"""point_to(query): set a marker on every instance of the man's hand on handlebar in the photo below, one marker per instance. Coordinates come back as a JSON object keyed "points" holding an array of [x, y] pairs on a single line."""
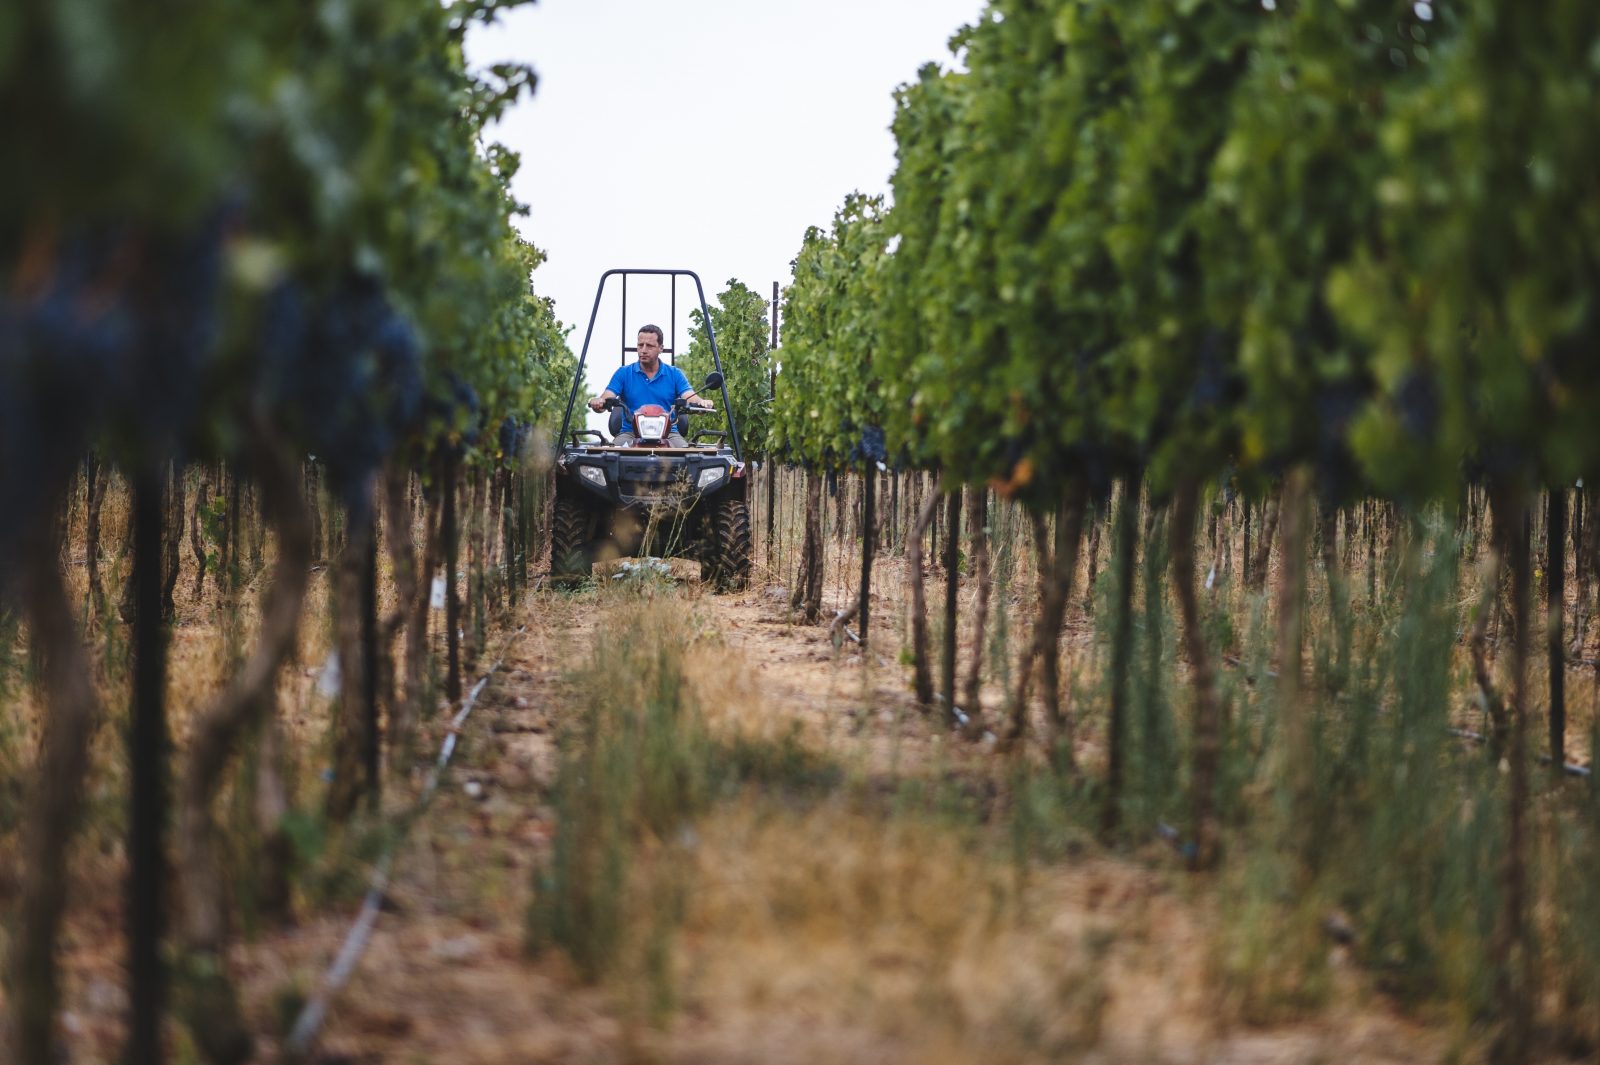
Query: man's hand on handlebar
{"points": [[602, 403]]}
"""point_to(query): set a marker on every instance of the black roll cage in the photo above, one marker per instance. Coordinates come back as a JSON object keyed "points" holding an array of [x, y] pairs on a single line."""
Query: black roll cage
{"points": [[705, 311]]}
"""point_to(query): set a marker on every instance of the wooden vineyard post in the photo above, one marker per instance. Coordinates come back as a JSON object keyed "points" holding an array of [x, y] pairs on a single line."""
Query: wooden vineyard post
{"points": [[353, 633], [1555, 645], [1588, 548], [1225, 570], [921, 669], [868, 545], [1244, 554], [173, 516], [1207, 705], [1056, 570], [224, 533], [234, 570], [1096, 518], [196, 541], [1121, 653], [507, 542], [147, 760], [1371, 529], [1511, 954], [1580, 560], [979, 525], [768, 467], [96, 474], [840, 491], [473, 500], [1062, 569], [769, 474], [452, 604], [1300, 763], [520, 557], [894, 507], [1338, 591], [407, 705], [369, 654], [400, 545], [528, 494], [1269, 526], [776, 554], [952, 586], [807, 595], [313, 496]]}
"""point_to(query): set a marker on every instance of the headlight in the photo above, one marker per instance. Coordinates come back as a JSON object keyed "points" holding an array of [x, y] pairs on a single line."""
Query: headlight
{"points": [[593, 474], [652, 426], [710, 475]]}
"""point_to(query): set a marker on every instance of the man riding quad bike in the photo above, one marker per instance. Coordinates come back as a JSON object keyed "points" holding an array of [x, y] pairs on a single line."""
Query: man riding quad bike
{"points": [[647, 383], [652, 488]]}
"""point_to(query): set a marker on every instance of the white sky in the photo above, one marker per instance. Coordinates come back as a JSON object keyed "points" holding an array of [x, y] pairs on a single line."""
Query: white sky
{"points": [[699, 134]]}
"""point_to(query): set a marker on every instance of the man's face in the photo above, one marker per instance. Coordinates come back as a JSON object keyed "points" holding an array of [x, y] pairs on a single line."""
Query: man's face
{"points": [[649, 352]]}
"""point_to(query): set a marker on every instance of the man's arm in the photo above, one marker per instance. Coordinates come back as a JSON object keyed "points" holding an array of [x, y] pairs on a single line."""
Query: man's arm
{"points": [[688, 396], [612, 391]]}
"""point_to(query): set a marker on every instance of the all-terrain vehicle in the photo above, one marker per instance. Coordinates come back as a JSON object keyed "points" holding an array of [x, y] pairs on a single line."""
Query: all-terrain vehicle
{"points": [[648, 498]]}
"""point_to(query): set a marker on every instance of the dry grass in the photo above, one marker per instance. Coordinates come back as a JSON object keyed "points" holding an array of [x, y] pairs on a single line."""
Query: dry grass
{"points": [[845, 929], [809, 911], [881, 933]]}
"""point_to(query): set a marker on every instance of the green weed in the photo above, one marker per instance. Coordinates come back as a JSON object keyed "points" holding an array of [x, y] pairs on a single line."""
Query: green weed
{"points": [[634, 770], [1401, 829]]}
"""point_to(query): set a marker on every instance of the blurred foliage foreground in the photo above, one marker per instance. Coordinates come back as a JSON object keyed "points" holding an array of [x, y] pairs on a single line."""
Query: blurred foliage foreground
{"points": [[269, 240]]}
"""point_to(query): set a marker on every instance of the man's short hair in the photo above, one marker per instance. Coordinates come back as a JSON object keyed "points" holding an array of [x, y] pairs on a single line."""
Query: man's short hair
{"points": [[661, 338]]}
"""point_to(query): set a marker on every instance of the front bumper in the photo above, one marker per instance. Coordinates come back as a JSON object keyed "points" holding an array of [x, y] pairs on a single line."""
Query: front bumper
{"points": [[644, 478]]}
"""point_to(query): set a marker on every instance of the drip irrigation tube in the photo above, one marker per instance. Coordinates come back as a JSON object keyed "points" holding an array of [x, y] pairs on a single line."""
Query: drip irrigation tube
{"points": [[309, 1023]]}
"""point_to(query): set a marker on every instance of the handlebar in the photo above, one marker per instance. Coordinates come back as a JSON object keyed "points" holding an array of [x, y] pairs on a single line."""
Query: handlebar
{"points": [[613, 402]]}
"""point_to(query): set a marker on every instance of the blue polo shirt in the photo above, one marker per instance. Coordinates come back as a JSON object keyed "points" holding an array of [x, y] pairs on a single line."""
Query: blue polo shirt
{"points": [[637, 390]]}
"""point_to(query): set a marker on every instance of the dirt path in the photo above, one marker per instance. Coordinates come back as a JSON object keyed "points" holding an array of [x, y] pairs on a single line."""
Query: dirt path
{"points": [[829, 930], [445, 977]]}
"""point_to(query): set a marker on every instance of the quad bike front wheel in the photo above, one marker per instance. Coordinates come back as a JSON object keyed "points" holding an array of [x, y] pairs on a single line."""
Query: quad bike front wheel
{"points": [[571, 552], [727, 559]]}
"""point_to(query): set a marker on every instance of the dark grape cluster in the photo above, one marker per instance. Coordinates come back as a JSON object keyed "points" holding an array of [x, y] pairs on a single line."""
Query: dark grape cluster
{"points": [[1217, 384], [179, 294], [1417, 403], [1335, 406], [868, 447], [57, 342], [454, 405], [513, 435], [106, 338], [873, 447], [345, 370]]}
